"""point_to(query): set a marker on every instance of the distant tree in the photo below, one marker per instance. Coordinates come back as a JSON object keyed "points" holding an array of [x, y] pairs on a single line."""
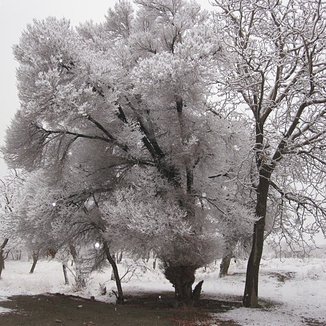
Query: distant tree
{"points": [[9, 238], [119, 112], [274, 71]]}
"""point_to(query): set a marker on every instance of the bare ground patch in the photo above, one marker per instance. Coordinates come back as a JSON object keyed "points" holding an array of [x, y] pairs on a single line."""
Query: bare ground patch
{"points": [[144, 310]]}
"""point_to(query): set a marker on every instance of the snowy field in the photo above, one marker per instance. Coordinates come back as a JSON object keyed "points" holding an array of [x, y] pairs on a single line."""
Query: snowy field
{"points": [[293, 290]]}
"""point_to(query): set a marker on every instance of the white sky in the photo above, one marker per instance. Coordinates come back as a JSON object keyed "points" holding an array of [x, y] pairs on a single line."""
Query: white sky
{"points": [[14, 16]]}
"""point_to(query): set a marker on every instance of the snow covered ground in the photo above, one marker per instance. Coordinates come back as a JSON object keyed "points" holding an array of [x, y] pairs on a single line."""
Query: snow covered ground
{"points": [[294, 288]]}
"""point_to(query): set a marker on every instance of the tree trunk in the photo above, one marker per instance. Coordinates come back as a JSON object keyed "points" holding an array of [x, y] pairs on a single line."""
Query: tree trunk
{"points": [[80, 280], [112, 278], [225, 264], [65, 275], [35, 259], [2, 262], [73, 252], [2, 258], [182, 278], [197, 291], [119, 257], [119, 295], [250, 298]]}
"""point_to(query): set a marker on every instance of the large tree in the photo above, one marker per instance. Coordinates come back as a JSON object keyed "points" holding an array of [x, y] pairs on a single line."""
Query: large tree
{"points": [[274, 71], [119, 112]]}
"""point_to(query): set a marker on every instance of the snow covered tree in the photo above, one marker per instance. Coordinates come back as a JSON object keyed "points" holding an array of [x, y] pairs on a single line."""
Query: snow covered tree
{"points": [[9, 238], [51, 221], [274, 72], [34, 217], [119, 113]]}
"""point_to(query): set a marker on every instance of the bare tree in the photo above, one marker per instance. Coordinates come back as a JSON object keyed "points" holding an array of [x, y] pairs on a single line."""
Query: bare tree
{"points": [[275, 68]]}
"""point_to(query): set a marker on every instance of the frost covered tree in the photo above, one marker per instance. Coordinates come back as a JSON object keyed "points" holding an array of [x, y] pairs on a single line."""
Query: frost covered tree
{"points": [[52, 220], [274, 73], [34, 217], [9, 238], [119, 112]]}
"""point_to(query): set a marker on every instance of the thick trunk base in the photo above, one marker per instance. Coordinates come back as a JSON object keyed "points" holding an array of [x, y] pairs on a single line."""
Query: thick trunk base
{"points": [[182, 278]]}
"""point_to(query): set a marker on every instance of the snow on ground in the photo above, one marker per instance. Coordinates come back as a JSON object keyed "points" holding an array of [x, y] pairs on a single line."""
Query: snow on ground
{"points": [[16, 279], [292, 290], [4, 310], [294, 287]]}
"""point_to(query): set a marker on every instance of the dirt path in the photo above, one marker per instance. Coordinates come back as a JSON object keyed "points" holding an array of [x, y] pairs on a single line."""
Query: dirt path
{"points": [[56, 310]]}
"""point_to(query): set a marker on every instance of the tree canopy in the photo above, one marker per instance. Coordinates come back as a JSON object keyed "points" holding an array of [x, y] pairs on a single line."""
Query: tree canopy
{"points": [[116, 120], [171, 129]]}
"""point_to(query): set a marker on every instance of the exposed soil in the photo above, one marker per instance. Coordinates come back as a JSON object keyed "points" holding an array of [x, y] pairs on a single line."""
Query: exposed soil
{"points": [[282, 277], [313, 322], [145, 310]]}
